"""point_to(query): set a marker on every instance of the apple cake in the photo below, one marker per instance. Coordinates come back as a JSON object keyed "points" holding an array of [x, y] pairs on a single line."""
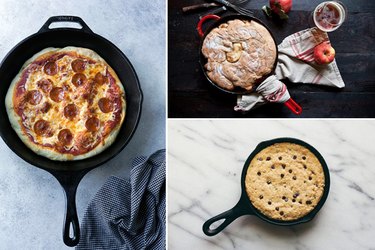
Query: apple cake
{"points": [[285, 181], [238, 53]]}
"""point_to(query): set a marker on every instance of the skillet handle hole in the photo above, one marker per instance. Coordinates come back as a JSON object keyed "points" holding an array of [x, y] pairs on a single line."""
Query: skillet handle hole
{"points": [[65, 25], [71, 231], [216, 224]]}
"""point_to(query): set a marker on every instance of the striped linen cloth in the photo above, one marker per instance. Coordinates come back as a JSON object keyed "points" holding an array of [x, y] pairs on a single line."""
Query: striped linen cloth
{"points": [[129, 214], [296, 63]]}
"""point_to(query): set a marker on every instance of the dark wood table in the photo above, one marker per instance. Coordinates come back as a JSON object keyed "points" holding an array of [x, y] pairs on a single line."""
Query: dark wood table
{"points": [[190, 95]]}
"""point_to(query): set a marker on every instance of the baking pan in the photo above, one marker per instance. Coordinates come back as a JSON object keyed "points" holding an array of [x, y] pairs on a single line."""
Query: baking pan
{"points": [[244, 205], [70, 173]]}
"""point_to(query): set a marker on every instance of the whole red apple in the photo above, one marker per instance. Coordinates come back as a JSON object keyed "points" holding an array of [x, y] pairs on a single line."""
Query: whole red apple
{"points": [[284, 5], [324, 53]]}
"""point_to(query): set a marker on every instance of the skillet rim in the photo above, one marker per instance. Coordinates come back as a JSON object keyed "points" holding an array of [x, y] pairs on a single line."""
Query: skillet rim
{"points": [[246, 203], [110, 152], [203, 59]]}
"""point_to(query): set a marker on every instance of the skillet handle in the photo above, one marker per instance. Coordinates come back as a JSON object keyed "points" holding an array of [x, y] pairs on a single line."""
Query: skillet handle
{"points": [[69, 182], [73, 19], [204, 19], [228, 216], [293, 106]]}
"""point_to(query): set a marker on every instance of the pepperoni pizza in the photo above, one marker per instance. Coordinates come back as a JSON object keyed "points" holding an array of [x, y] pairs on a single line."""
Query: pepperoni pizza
{"points": [[66, 104]]}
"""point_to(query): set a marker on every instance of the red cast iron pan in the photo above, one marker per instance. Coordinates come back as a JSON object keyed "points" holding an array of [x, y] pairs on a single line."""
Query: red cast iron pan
{"points": [[244, 205], [70, 173], [291, 104]]}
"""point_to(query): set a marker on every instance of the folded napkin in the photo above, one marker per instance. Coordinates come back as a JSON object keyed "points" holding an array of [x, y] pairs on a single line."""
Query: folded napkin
{"points": [[296, 63], [129, 214]]}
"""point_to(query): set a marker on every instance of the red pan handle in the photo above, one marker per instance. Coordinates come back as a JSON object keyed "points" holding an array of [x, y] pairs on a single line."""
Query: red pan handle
{"points": [[203, 19], [293, 106]]}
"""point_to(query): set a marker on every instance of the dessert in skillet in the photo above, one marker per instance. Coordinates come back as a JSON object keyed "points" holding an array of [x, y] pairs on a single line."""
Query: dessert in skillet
{"points": [[66, 104], [285, 181], [239, 52]]}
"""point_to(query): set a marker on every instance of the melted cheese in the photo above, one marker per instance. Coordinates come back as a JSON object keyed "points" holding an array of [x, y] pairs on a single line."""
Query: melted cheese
{"points": [[74, 94]]}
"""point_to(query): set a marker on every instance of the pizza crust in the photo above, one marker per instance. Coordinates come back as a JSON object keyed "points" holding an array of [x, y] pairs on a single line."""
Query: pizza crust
{"points": [[48, 152]]}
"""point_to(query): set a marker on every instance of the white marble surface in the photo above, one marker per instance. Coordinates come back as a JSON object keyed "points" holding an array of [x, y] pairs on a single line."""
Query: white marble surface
{"points": [[205, 161], [31, 201]]}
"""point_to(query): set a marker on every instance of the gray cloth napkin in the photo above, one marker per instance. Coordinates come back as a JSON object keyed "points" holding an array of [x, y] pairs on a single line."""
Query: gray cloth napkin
{"points": [[296, 63], [129, 214]]}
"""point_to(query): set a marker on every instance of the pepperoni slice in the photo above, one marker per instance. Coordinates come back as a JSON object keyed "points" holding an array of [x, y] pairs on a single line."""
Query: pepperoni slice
{"points": [[57, 94], [105, 105], [50, 68], [45, 85], [79, 79], [42, 128], [70, 111], [78, 65], [65, 136], [46, 106], [34, 97], [84, 141], [92, 124], [100, 79]]}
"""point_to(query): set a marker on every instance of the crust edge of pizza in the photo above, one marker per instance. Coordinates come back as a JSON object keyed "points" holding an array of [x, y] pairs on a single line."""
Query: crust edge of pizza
{"points": [[46, 151]]}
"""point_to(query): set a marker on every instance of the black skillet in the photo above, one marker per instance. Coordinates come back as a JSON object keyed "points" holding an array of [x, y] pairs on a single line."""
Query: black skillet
{"points": [[244, 205], [70, 173], [291, 104]]}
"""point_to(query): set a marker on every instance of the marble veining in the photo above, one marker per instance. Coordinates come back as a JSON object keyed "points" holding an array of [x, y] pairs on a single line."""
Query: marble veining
{"points": [[31, 201], [205, 162]]}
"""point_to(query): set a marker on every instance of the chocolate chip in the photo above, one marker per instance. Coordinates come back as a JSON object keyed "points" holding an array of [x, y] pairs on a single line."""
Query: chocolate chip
{"points": [[294, 157], [294, 200], [303, 157], [268, 182], [281, 213], [308, 202], [280, 158], [259, 173], [310, 178], [283, 165], [273, 166], [260, 196], [260, 159], [290, 171], [268, 158], [277, 208], [269, 203], [282, 175], [304, 166], [295, 195], [294, 178]]}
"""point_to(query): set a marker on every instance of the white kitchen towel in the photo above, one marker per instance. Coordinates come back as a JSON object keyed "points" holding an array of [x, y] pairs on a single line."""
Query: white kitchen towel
{"points": [[296, 63]]}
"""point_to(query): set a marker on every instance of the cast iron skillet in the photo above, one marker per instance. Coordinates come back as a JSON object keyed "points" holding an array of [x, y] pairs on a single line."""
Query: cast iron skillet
{"points": [[70, 173], [244, 205], [291, 104]]}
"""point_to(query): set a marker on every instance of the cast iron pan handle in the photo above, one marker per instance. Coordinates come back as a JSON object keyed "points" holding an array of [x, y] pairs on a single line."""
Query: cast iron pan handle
{"points": [[293, 106], [204, 19], [69, 182], [228, 216], [73, 19]]}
